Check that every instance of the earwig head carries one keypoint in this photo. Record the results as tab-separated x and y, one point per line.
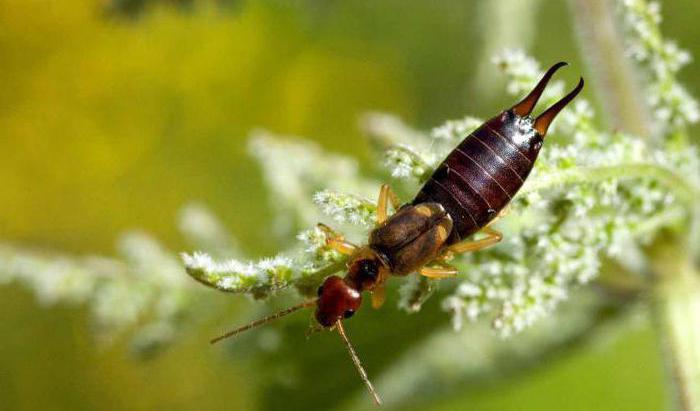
525	107
337	300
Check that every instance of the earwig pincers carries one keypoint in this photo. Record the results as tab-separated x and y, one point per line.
464	196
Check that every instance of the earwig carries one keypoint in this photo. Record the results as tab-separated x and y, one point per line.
465	194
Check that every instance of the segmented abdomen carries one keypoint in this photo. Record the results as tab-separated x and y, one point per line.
478	178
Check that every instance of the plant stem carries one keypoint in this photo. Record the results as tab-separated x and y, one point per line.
677	290
307	285
683	191
677	303
614	78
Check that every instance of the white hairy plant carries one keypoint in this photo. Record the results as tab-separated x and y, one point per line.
599	195
596	198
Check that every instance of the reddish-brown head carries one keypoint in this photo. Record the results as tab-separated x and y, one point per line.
337	300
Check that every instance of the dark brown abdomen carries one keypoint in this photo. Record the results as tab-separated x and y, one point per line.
479	177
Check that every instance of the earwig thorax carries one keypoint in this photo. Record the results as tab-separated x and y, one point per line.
367	269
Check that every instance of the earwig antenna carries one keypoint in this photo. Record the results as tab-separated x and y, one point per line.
358	364
264	320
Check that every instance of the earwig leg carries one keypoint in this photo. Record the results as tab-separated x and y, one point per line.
394	199
445	257
343	247
336	241
504	212
492	237
386	194
445	271
330	233
313	329
378	296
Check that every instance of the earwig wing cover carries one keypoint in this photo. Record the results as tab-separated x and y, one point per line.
404	226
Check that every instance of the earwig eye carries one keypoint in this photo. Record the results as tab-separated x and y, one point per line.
348	313
319	291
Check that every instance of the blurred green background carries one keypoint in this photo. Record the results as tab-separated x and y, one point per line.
114	114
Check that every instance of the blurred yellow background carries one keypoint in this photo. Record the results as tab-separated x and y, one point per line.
113	120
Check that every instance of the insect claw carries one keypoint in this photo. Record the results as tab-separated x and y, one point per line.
313	329
545	119
525	107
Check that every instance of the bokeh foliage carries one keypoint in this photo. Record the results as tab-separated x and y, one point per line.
114	122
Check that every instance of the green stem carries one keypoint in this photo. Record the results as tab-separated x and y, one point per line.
677	291
494	22
307	285
614	77
665	218
678	312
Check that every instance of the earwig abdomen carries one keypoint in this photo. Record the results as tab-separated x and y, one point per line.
479	177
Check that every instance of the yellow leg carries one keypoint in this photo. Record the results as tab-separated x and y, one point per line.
386	194
378	296
492	237
343	247
445	271
313	329
504	212
336	241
